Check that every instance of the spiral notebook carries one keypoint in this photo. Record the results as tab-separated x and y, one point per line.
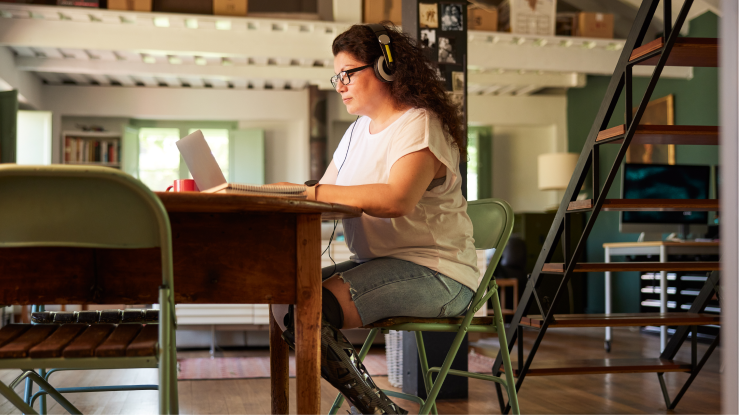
209	176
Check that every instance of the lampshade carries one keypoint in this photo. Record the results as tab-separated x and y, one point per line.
555	170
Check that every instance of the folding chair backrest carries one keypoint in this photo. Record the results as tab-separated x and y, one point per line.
492	224
81	207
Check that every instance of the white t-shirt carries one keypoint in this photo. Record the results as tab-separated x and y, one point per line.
438	233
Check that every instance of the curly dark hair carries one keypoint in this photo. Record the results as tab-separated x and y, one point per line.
416	83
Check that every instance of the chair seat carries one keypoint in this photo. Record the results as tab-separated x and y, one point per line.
78	340
392	321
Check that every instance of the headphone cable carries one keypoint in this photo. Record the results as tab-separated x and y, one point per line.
336	222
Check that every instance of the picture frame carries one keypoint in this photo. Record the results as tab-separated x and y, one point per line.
660	111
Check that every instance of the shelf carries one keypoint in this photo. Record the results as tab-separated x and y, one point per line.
603	366
92	134
648	205
687	51
558	268
662	134
624	320
657	304
93	163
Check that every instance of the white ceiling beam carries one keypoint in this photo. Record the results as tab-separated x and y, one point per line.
149	81
543	79
315	75
124	80
247	37
80	54
506	51
24	51
51	78
100	79
78	79
527	90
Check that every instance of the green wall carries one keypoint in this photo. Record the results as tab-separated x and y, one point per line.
696	103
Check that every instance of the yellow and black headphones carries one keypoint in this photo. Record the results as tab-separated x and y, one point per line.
385	64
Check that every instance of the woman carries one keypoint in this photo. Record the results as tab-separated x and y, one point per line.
413	252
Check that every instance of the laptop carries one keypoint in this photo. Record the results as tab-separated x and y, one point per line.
209	176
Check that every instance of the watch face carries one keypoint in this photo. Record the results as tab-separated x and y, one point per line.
311	183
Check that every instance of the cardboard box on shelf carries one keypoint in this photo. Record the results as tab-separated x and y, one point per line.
183	6
479	18
598	25
376	11
230	7
133	5
527	17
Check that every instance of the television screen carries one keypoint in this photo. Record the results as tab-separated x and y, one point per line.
657	181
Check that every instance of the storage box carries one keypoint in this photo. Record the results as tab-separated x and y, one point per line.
598	25
133	5
183	6
376	11
527	17
479	18
230	7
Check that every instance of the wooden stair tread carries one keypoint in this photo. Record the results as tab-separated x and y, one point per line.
687	51
624	320
602	366
12	331
558	267
649	205
663	134
447	320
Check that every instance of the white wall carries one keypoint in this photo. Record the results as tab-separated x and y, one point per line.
523	128
29	86
282	114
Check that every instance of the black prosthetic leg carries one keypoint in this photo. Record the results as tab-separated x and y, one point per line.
340	364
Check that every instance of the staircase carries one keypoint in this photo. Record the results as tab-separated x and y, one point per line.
670	50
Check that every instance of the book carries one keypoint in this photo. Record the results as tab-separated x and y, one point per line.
272	190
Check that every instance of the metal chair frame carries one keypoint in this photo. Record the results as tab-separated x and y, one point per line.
478	210
149	228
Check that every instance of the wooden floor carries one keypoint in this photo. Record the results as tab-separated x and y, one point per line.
612	394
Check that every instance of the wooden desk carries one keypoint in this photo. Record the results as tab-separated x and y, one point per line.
226	249
657	248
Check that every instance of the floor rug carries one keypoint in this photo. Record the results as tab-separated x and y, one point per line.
258	367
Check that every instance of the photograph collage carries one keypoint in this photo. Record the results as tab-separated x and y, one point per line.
442	34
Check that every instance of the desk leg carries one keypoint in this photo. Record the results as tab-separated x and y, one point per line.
278	367
308	327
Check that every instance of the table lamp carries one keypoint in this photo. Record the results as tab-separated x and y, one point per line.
555	170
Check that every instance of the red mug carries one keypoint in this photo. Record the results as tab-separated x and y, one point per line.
184	185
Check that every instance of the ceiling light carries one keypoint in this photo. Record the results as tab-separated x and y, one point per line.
174	60
199	60
149	59
191	23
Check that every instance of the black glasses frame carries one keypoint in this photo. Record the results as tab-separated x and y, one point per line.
335	79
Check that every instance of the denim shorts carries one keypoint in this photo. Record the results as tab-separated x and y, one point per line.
389	287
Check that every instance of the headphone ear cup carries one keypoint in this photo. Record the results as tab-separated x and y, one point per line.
381	70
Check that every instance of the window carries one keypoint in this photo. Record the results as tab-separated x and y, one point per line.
159	158
472	161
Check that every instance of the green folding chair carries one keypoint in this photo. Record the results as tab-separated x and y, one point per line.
87	208
492	221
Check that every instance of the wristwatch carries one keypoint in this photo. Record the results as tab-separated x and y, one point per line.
311	190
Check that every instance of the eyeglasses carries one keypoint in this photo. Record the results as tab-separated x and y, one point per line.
343	76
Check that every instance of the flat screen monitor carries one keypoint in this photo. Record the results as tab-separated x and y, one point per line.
659	181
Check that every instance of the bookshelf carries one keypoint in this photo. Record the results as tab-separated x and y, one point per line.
99	148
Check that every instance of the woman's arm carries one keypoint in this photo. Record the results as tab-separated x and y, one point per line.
331	174
409	178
